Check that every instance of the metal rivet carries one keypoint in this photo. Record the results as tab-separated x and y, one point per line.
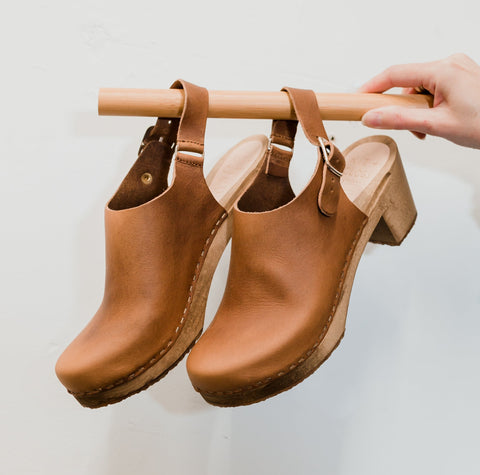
147	178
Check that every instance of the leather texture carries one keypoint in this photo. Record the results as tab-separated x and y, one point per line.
288	261
155	247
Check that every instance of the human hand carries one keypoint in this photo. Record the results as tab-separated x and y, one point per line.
454	83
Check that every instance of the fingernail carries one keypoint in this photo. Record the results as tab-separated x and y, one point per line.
372	119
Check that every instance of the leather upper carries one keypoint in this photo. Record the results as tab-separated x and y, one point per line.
288	261
156	238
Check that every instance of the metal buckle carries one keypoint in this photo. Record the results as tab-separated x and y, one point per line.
325	157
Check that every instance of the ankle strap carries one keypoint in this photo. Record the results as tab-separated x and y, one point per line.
304	103
191	131
306	109
187	133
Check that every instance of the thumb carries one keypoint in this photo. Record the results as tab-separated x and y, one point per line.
401	118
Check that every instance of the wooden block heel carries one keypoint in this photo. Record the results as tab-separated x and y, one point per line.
400	213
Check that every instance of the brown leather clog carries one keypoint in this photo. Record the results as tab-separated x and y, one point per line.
162	246
294	258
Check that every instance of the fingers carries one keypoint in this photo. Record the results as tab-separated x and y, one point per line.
452	81
411	90
402	75
419	121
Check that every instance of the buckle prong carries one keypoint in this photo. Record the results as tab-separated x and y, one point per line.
323	149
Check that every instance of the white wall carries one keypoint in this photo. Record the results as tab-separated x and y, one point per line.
400	395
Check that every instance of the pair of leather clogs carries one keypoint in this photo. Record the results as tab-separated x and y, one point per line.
292	264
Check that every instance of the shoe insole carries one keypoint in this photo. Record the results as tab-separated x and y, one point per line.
367	161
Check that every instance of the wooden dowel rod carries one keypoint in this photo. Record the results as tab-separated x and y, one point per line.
248	104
